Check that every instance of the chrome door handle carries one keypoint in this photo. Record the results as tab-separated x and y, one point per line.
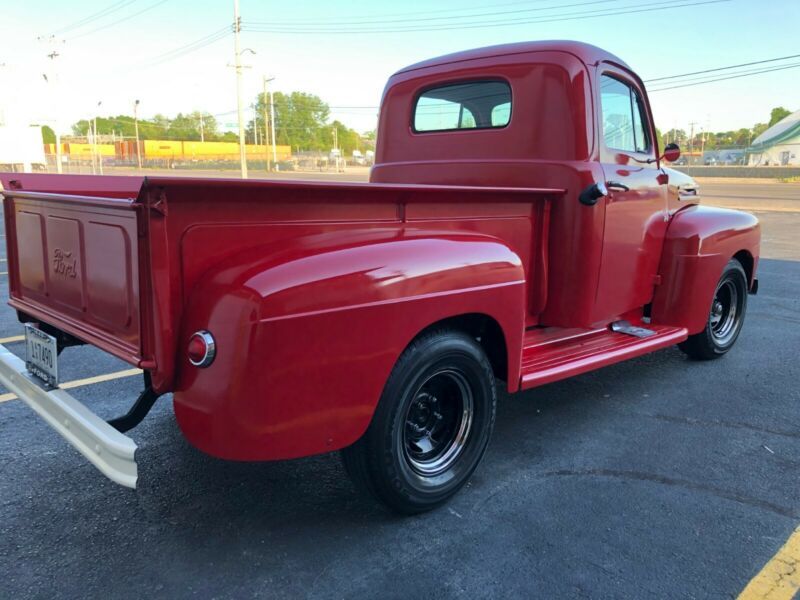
593	193
617	187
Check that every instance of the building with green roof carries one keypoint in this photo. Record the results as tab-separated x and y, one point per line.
779	145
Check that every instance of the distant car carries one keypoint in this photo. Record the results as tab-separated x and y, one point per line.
710	161
358	158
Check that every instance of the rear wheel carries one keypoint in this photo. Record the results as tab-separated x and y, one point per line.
725	319
431	427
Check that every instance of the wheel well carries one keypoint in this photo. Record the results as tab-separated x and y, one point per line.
746	259
486	331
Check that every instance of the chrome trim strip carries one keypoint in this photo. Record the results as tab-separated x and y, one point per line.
105	447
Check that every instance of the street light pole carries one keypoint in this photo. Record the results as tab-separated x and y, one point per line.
136	127
272	127
237	26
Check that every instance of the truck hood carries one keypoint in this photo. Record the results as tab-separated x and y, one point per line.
680	179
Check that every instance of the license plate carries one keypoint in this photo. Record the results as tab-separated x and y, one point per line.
41	359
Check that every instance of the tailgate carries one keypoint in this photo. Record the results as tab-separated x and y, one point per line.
74	263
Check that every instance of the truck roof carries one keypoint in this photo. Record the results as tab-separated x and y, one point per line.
585	52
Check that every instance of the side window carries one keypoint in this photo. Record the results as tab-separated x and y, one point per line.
501	114
623	116
476	105
639	129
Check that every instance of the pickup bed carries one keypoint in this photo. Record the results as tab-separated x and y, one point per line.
519	227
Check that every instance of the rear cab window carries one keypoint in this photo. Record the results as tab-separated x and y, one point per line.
473	105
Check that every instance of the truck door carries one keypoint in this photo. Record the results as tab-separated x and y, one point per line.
636	204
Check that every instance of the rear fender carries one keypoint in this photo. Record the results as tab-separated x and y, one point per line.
305	345
699	243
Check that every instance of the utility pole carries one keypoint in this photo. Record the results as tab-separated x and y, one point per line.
336	146
237	26
691	137
702	142
272	128
202	128
255	124
267	123
90	139
94	138
136	127
52	56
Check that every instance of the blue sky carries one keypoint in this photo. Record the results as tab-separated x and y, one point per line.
116	63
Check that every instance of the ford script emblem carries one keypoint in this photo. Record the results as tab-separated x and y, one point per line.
64	264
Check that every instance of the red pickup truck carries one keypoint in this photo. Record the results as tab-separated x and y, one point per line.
520	226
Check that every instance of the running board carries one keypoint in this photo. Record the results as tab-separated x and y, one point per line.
552	359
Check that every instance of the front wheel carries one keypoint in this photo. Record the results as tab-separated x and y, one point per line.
725	319
431	427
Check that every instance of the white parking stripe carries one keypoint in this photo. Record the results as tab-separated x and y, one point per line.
81	382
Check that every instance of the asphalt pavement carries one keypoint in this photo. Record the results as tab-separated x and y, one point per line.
658	477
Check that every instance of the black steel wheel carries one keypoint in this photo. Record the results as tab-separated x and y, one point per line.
431	427
725	318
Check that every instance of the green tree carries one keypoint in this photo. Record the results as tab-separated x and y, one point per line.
300	120
189	127
348	139
369	138
758	129
48	135
182	127
675	136
778	114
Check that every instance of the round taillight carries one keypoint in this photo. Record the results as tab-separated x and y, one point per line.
202	349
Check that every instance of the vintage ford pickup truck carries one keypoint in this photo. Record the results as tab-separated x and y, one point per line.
520	226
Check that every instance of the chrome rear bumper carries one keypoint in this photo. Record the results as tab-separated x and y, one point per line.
105	447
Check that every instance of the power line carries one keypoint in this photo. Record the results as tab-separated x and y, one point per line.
188	48
414	14
94	16
670	4
736	76
700	78
383	21
123	19
757	62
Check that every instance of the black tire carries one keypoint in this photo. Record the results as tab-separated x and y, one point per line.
725	318
431	426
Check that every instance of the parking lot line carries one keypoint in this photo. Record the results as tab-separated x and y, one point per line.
780	577
13	338
81	382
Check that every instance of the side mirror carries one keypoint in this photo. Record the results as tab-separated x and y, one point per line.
671	153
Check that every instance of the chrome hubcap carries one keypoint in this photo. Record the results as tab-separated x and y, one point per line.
725	312
438	423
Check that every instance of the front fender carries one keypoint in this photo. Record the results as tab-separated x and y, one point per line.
305	344
699	243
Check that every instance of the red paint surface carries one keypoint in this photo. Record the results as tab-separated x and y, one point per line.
313	290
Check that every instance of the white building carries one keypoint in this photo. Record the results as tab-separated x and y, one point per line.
778	145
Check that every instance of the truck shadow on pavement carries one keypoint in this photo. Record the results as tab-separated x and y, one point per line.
638	473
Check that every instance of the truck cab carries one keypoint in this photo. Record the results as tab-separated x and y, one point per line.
549	114
520	227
